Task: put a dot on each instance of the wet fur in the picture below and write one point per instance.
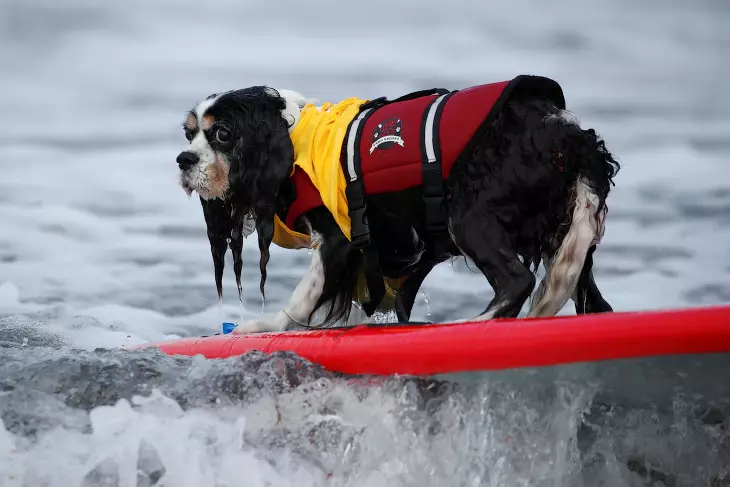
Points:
(512, 194)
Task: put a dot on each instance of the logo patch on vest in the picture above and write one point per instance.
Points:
(387, 134)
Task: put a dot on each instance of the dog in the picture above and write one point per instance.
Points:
(500, 173)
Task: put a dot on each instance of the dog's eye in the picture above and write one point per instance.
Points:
(222, 135)
(189, 134)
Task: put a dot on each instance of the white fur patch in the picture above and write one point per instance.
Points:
(294, 104)
(586, 228)
(564, 116)
(300, 305)
(491, 313)
(203, 107)
(308, 291)
(197, 178)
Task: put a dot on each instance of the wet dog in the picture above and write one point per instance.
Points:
(528, 185)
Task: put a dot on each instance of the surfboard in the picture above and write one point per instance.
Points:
(498, 344)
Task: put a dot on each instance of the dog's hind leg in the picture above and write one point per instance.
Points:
(566, 266)
(482, 238)
(543, 282)
(587, 297)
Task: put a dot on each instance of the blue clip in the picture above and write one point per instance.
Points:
(228, 327)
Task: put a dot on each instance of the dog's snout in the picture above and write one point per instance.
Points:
(186, 160)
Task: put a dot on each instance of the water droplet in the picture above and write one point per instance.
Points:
(428, 305)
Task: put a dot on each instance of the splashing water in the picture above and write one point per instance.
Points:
(118, 418)
(428, 304)
(220, 310)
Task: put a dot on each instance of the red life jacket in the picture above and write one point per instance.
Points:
(397, 139)
(413, 140)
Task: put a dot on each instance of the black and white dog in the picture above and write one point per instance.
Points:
(531, 188)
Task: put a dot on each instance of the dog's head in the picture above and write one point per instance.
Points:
(239, 153)
(232, 136)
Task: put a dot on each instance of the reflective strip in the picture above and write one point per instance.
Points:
(351, 144)
(428, 134)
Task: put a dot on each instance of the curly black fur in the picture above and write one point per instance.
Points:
(223, 231)
(523, 170)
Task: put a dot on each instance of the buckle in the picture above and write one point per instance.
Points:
(436, 217)
(359, 228)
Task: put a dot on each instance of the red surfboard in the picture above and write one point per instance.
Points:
(488, 345)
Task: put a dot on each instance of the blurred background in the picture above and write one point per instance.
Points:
(100, 247)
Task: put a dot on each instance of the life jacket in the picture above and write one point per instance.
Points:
(356, 148)
(317, 174)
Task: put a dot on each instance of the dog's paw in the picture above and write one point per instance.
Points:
(279, 322)
(251, 326)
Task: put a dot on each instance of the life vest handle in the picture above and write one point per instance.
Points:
(381, 101)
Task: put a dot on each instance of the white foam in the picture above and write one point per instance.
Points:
(195, 449)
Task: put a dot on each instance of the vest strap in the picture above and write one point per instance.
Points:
(434, 199)
(433, 188)
(379, 102)
(357, 208)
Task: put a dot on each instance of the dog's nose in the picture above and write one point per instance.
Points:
(186, 160)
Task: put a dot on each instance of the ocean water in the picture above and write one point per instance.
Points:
(101, 249)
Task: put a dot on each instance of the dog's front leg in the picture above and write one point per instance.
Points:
(300, 305)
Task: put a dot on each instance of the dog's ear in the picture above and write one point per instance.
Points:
(222, 232)
(265, 157)
(265, 232)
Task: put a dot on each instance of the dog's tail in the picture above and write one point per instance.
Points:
(594, 169)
